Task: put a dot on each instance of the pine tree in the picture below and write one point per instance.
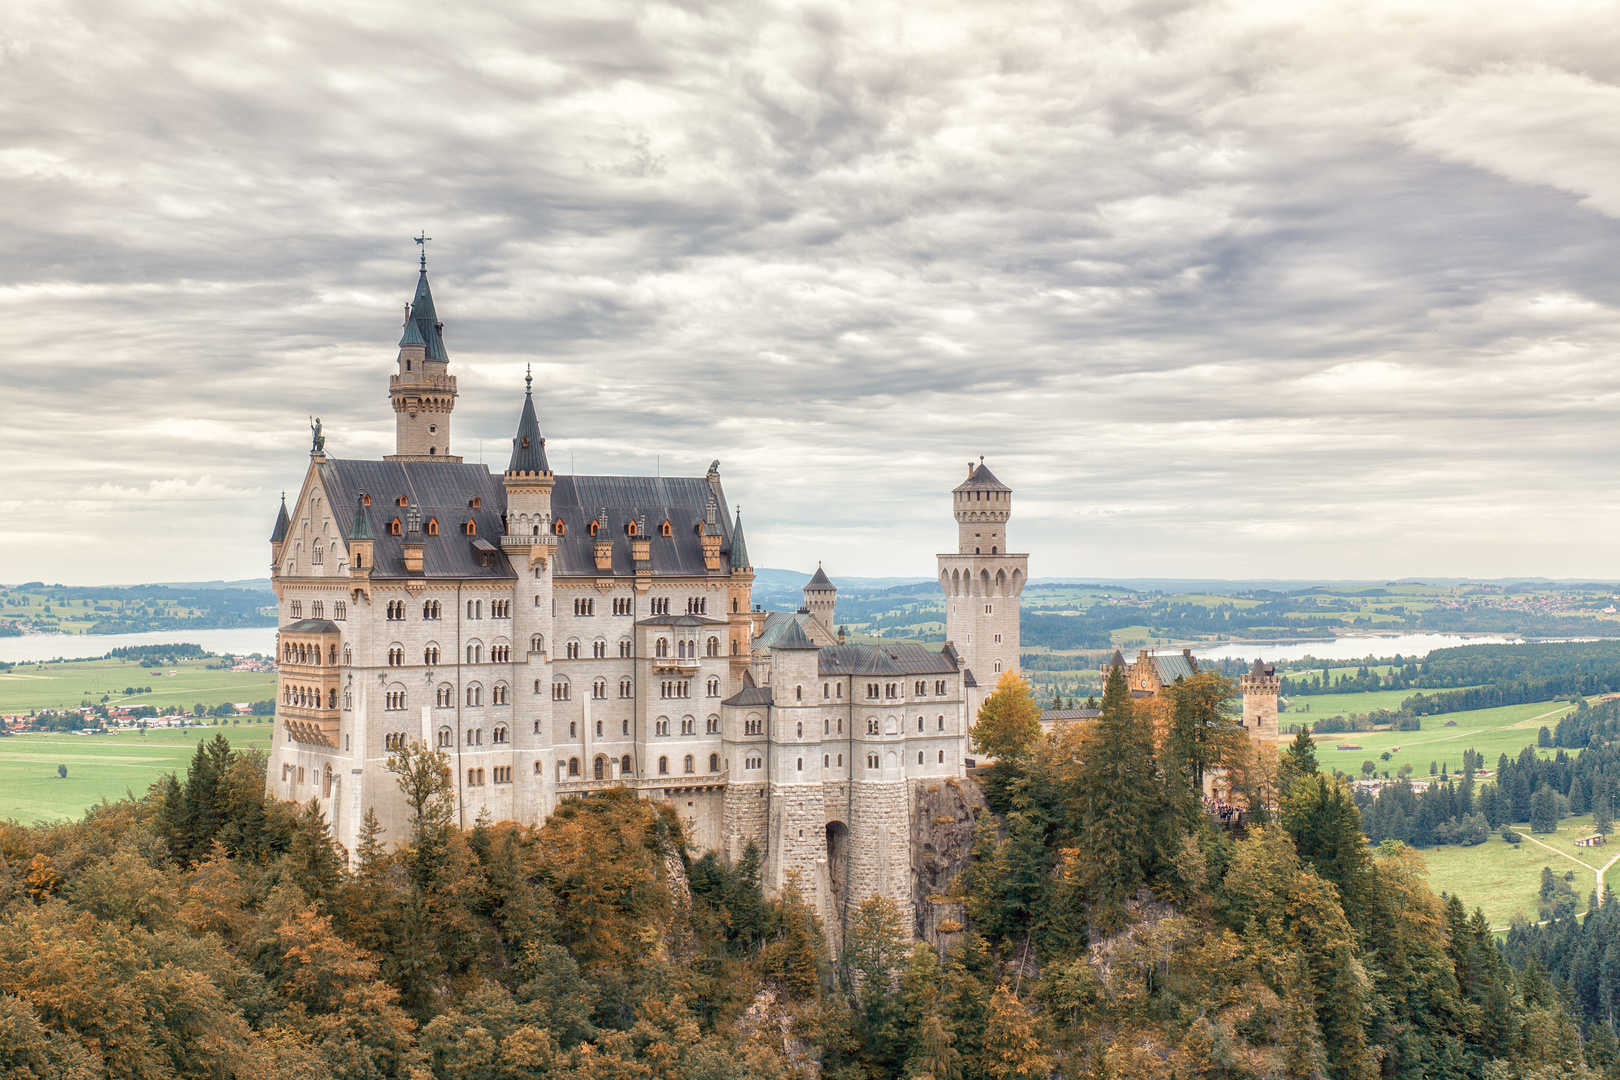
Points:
(1603, 811)
(1119, 795)
(371, 850)
(1301, 754)
(1543, 810)
(1299, 1036)
(313, 860)
(1202, 735)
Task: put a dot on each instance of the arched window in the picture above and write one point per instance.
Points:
(599, 689)
(502, 735)
(433, 527)
(499, 695)
(714, 686)
(690, 767)
(919, 757)
(826, 761)
(942, 757)
(599, 768)
(800, 729)
(559, 528)
(624, 687)
(624, 765)
(714, 762)
(446, 737)
(537, 643)
(665, 529)
(942, 723)
(537, 769)
(393, 527)
(714, 646)
(340, 610)
(470, 528)
(663, 766)
(801, 764)
(430, 654)
(661, 648)
(573, 766)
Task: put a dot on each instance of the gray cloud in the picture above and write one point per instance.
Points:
(1220, 289)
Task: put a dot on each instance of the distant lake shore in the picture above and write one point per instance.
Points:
(31, 648)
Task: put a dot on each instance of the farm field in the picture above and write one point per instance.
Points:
(1505, 882)
(1309, 709)
(101, 766)
(1492, 732)
(66, 685)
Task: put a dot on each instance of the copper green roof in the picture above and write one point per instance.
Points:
(423, 326)
(739, 547)
(360, 528)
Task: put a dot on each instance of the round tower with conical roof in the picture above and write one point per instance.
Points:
(423, 391)
(821, 601)
(982, 582)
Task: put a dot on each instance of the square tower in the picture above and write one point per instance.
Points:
(982, 582)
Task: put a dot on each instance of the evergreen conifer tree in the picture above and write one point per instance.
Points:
(1543, 810)
(1119, 794)
(935, 1058)
(1011, 1050)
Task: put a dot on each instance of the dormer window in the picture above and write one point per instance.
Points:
(433, 527)
(476, 502)
(393, 527)
(470, 528)
(630, 528)
(402, 501)
(594, 526)
(665, 530)
(365, 500)
(524, 442)
(559, 528)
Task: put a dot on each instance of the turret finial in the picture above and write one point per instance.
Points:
(528, 379)
(422, 238)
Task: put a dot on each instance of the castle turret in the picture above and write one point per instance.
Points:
(982, 583)
(422, 390)
(820, 602)
(278, 537)
(529, 539)
(1261, 686)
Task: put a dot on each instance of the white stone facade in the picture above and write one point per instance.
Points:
(555, 635)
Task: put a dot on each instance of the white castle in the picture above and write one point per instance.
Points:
(556, 635)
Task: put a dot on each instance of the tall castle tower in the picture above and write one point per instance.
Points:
(982, 584)
(422, 390)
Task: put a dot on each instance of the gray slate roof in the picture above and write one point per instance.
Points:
(981, 478)
(438, 489)
(901, 658)
(1051, 715)
(279, 533)
(1173, 666)
(311, 626)
(820, 582)
(681, 500)
(679, 620)
(793, 637)
(528, 446)
(750, 694)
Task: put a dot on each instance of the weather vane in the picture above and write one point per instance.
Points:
(422, 238)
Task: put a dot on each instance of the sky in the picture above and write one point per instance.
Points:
(1239, 290)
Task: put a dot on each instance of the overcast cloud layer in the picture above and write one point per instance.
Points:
(1220, 289)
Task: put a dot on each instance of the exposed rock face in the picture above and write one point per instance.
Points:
(944, 821)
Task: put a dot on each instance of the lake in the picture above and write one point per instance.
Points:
(34, 647)
(1348, 648)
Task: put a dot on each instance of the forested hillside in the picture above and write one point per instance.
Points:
(1115, 930)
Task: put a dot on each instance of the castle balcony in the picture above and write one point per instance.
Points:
(668, 786)
(524, 543)
(675, 666)
(423, 381)
(312, 727)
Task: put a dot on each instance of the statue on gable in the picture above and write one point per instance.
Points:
(317, 440)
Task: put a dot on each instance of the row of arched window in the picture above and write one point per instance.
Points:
(308, 653)
(308, 697)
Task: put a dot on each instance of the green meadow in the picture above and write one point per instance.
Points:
(1504, 880)
(68, 684)
(1492, 732)
(101, 766)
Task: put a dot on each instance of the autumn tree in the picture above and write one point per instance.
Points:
(1009, 720)
(1202, 734)
(1011, 1049)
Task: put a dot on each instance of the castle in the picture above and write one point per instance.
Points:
(555, 635)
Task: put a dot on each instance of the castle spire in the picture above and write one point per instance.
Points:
(283, 523)
(422, 389)
(739, 546)
(528, 446)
